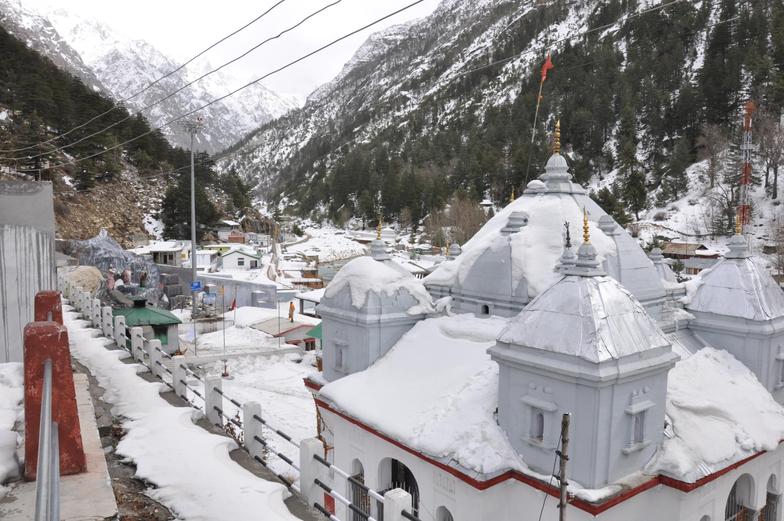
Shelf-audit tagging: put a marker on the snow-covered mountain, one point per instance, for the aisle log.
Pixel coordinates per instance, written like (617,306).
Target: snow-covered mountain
(123,66)
(41,36)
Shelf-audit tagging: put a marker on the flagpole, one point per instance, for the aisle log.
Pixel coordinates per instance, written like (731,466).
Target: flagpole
(547,66)
(223,316)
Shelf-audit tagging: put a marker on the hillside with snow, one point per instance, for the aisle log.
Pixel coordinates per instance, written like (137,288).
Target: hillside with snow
(122,66)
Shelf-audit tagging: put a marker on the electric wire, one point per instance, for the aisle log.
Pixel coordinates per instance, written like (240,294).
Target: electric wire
(183,87)
(154,82)
(252,82)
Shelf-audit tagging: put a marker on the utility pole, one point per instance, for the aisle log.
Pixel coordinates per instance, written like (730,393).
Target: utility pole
(564,457)
(192,127)
(744,209)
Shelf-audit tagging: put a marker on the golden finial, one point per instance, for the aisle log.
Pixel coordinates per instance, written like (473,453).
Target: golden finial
(586,230)
(378,229)
(738,224)
(557,137)
(512,197)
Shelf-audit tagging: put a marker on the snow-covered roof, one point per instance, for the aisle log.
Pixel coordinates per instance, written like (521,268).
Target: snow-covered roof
(593,318)
(364,275)
(535,249)
(719,414)
(311,296)
(738,286)
(449,417)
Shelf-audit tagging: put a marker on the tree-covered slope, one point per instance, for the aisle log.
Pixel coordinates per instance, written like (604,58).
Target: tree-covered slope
(447,103)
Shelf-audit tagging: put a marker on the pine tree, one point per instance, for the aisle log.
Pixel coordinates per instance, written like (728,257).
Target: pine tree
(675,183)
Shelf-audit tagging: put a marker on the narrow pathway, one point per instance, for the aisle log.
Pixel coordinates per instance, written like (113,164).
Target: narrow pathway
(198,476)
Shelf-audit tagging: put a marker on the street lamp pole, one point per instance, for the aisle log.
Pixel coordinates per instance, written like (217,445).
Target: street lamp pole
(192,127)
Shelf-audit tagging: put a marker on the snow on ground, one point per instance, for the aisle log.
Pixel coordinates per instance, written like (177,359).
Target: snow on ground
(715,425)
(276,382)
(153,226)
(329,244)
(190,468)
(11,415)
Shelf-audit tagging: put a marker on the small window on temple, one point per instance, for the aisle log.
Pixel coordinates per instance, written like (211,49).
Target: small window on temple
(639,428)
(537,424)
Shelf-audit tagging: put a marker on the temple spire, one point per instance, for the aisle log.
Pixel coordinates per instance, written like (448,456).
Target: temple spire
(512,197)
(586,229)
(378,228)
(557,138)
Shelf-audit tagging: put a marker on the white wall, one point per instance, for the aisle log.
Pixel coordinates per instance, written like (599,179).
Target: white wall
(512,500)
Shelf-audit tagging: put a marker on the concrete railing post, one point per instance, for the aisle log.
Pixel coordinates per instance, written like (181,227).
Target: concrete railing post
(137,343)
(49,341)
(213,399)
(156,359)
(252,428)
(119,332)
(94,307)
(309,468)
(48,307)
(395,501)
(180,377)
(106,322)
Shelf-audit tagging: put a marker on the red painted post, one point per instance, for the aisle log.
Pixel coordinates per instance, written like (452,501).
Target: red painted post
(49,340)
(48,306)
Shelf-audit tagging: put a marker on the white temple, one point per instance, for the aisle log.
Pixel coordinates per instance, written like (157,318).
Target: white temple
(453,387)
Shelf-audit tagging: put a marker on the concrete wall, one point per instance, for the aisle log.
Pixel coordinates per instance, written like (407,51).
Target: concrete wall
(27,258)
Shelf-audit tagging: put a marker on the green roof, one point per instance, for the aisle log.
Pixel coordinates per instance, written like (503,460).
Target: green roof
(315,332)
(146,316)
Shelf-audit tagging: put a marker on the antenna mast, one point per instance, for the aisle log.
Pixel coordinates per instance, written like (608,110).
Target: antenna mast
(744,209)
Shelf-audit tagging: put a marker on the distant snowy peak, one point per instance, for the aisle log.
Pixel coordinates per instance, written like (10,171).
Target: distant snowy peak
(40,35)
(123,66)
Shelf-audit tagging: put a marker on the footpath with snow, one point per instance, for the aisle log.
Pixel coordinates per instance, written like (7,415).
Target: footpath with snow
(190,468)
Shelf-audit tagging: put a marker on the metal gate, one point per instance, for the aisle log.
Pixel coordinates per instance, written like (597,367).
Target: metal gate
(359,497)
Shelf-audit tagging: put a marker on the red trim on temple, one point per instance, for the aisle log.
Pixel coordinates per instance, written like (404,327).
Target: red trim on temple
(591,508)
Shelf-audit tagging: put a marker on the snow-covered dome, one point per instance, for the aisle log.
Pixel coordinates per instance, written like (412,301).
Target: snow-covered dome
(738,286)
(597,319)
(376,284)
(501,261)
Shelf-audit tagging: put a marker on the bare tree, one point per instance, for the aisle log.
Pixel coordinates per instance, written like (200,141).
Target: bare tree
(778,240)
(712,142)
(771,149)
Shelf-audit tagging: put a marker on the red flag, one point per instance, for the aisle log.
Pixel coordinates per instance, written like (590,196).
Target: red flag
(233,305)
(548,64)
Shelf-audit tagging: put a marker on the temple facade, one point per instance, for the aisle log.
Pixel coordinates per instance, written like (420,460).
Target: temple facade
(455,387)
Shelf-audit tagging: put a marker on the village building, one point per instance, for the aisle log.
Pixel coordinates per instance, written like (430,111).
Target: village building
(224,230)
(156,323)
(240,259)
(453,387)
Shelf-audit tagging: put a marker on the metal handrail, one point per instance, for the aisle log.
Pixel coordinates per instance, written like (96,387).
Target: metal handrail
(47,486)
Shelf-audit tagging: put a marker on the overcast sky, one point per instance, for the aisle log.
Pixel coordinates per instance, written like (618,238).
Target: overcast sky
(182,28)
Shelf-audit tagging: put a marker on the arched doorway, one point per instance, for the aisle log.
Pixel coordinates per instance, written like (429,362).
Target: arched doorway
(771,509)
(739,499)
(443,514)
(394,474)
(357,493)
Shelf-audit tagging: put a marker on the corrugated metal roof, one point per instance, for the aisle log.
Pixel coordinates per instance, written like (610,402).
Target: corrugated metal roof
(147,316)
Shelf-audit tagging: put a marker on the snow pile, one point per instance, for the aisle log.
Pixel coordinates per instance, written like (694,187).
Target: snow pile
(597,320)
(11,412)
(536,248)
(276,383)
(364,275)
(153,226)
(449,417)
(738,288)
(328,245)
(720,414)
(190,467)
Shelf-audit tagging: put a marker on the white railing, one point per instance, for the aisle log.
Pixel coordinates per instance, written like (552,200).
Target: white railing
(248,433)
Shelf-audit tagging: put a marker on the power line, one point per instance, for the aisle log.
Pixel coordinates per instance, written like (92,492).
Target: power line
(183,87)
(154,82)
(275,71)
